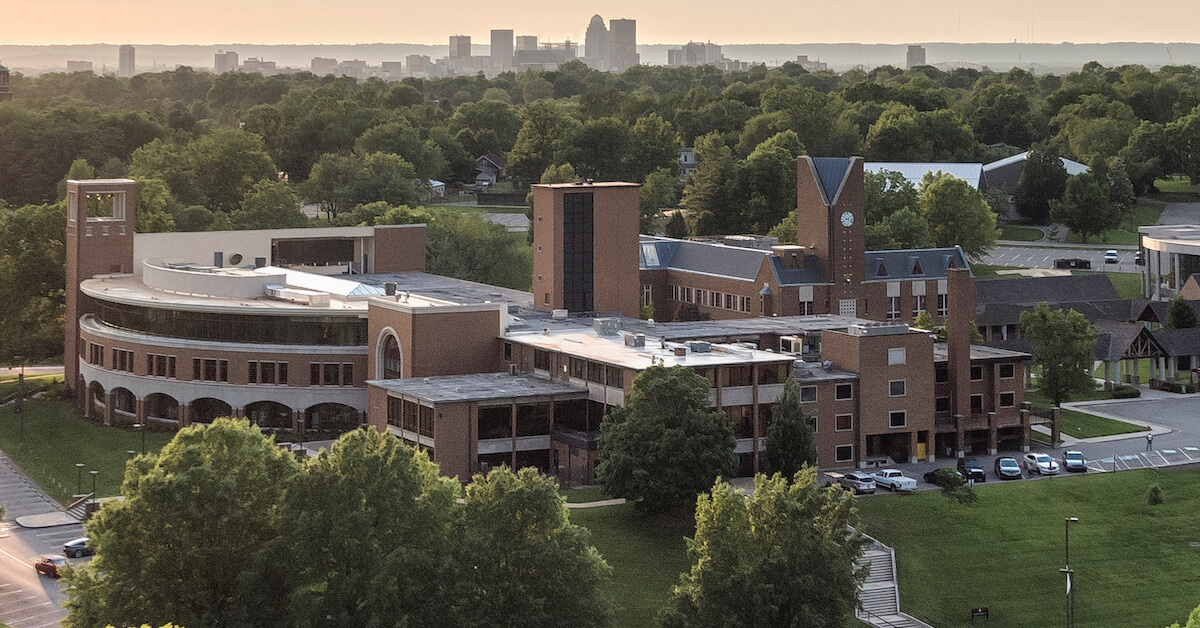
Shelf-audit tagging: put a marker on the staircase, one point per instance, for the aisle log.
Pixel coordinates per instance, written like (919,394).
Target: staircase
(880,594)
(78,508)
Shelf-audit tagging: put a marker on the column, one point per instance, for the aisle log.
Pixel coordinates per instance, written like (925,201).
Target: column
(1025,427)
(912,447)
(297,421)
(184,419)
(109,399)
(1054,433)
(960,440)
(140,411)
(1108,375)
(513,417)
(993,435)
(1176,272)
(754,432)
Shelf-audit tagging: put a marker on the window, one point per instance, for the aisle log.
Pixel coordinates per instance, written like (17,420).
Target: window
(577,368)
(976,404)
(941,373)
(122,360)
(976,373)
(897,356)
(808,394)
(844,392)
(329,374)
(688,296)
(729,300)
(941,306)
(210,370)
(347,374)
(541,360)
(647,295)
(745,304)
(941,404)
(897,418)
(281,369)
(267,372)
(508,352)
(1007,371)
(806,308)
(918,304)
(1008,400)
(893,311)
(96,354)
(896,387)
(614,376)
(844,453)
(252,372)
(160,365)
(843,422)
(595,372)
(813,422)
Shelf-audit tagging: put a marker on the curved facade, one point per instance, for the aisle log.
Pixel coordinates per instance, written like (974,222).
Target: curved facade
(1171,254)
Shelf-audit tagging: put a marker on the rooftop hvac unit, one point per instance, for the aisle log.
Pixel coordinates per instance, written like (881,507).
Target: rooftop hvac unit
(389,288)
(699,346)
(635,340)
(791,344)
(558,315)
(606,326)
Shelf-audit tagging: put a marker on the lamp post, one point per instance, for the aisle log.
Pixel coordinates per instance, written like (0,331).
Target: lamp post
(142,428)
(79,479)
(20,402)
(1068,571)
(94,474)
(131,453)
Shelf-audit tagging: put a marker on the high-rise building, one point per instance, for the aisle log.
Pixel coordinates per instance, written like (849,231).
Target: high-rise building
(460,46)
(595,44)
(79,66)
(5,91)
(225,61)
(417,65)
(393,70)
(322,66)
(622,45)
(914,57)
(127,65)
(527,42)
(502,51)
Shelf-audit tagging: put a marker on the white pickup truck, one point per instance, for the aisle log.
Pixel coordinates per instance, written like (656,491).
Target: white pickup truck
(894,480)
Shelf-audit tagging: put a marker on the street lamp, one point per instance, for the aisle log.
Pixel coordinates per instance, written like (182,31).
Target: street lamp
(18,408)
(131,453)
(142,427)
(1068,571)
(79,480)
(94,474)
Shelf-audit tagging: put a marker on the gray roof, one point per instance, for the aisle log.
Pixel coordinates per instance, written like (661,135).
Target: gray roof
(1179,342)
(479,387)
(1073,167)
(1052,290)
(741,329)
(1122,310)
(702,257)
(1157,311)
(1114,339)
(915,171)
(904,264)
(830,173)
(809,273)
(980,353)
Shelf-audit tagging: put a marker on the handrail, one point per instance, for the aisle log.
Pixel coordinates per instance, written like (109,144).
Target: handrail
(80,500)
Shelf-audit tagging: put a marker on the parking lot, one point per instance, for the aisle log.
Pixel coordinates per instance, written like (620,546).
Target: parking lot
(1038,257)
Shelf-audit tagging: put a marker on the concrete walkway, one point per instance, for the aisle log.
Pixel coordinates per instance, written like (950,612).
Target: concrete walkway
(597,504)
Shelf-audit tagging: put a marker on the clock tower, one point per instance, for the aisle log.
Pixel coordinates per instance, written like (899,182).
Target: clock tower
(829,222)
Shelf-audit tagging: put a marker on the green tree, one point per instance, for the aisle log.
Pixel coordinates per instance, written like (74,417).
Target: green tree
(1095,127)
(523,564)
(784,556)
(154,205)
(545,129)
(658,192)
(193,218)
(270,205)
(1043,179)
(786,229)
(1086,208)
(1180,314)
(211,498)
(766,183)
(1148,156)
(225,164)
(600,150)
(790,444)
(653,146)
(377,519)
(400,138)
(677,226)
(486,126)
(958,214)
(708,196)
(1001,113)
(1062,348)
(32,256)
(885,193)
(468,247)
(80,169)
(905,134)
(666,445)
(1193,620)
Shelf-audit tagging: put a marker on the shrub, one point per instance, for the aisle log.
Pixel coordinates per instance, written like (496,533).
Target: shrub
(1125,392)
(1154,497)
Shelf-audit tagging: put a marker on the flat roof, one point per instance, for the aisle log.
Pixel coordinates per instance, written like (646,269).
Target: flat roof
(593,184)
(611,349)
(478,387)
(744,328)
(980,352)
(1184,239)
(130,290)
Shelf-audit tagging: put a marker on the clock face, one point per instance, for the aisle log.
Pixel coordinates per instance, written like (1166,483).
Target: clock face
(847,219)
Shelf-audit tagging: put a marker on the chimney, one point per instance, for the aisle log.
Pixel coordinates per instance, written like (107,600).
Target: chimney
(960,301)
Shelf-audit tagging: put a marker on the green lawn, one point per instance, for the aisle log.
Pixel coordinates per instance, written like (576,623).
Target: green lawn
(647,558)
(1177,190)
(1020,234)
(1134,564)
(1145,212)
(1082,425)
(584,494)
(56,438)
(1128,285)
(33,383)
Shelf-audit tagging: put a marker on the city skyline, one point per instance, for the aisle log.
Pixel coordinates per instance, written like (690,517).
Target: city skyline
(375,21)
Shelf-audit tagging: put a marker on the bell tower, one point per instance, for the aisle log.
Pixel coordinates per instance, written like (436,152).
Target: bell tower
(101,214)
(830,221)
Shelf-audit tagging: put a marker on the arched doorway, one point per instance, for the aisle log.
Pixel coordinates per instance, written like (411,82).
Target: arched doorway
(206,409)
(95,400)
(270,416)
(388,357)
(124,402)
(330,419)
(161,407)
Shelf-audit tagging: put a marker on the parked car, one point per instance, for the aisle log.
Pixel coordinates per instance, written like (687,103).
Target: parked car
(78,548)
(894,480)
(971,469)
(1074,461)
(945,476)
(858,482)
(1074,262)
(1139,259)
(1040,463)
(1111,257)
(49,565)
(1008,469)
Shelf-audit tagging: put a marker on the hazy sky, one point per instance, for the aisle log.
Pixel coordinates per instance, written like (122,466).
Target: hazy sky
(722,21)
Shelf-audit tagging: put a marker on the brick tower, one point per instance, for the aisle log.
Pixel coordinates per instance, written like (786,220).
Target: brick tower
(830,222)
(101,214)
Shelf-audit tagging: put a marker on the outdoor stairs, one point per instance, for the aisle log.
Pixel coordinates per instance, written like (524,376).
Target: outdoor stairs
(78,508)
(880,594)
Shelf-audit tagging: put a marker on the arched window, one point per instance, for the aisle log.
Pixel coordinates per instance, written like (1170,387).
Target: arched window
(391,358)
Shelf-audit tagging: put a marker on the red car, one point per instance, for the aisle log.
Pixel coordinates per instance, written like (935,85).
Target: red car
(49,565)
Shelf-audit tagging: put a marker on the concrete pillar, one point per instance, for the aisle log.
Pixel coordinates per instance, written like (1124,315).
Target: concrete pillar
(993,435)
(1025,427)
(140,411)
(754,431)
(1108,383)
(513,416)
(1054,428)
(960,440)
(109,400)
(912,447)
(1175,271)
(184,419)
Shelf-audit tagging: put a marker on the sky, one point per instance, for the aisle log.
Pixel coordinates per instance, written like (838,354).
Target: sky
(660,21)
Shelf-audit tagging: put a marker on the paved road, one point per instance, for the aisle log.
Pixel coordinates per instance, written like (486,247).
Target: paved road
(1180,214)
(28,600)
(1037,257)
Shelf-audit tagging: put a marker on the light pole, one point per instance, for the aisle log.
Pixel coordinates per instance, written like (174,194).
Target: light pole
(20,402)
(142,427)
(94,474)
(79,480)
(1068,571)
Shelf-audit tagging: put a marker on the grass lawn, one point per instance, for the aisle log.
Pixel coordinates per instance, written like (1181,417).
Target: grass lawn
(1083,425)
(584,494)
(1020,234)
(1133,562)
(1145,212)
(56,438)
(33,383)
(1177,190)
(647,558)
(1128,285)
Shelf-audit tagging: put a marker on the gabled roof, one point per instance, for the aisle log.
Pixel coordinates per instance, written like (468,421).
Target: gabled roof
(1073,167)
(915,171)
(702,257)
(912,264)
(1156,311)
(1122,310)
(495,160)
(1179,342)
(831,171)
(809,273)
(1034,290)
(1114,339)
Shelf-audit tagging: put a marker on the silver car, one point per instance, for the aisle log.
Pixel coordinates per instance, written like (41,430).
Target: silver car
(858,482)
(1040,464)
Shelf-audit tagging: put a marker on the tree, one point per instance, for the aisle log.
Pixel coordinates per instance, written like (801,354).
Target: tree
(1148,156)
(545,128)
(784,556)
(1193,620)
(666,445)
(1043,179)
(32,256)
(471,248)
(523,564)
(653,146)
(786,230)
(708,197)
(154,204)
(600,150)
(905,229)
(905,134)
(1086,208)
(400,138)
(340,182)
(1062,347)
(766,183)
(270,205)
(203,511)
(790,444)
(1180,314)
(677,226)
(658,192)
(225,164)
(377,519)
(486,126)
(958,214)
(885,193)
(1001,113)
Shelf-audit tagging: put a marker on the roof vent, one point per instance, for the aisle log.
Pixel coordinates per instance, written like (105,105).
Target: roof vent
(558,315)
(699,346)
(881,269)
(606,326)
(635,340)
(389,288)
